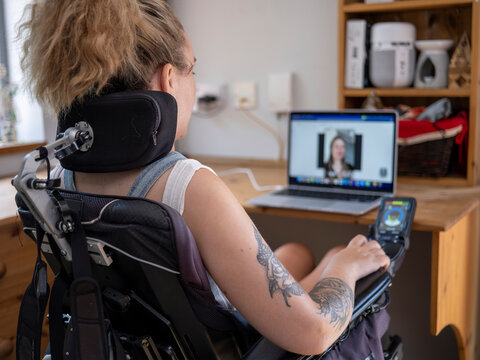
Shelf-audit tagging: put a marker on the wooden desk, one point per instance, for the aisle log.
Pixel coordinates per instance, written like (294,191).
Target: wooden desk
(449,214)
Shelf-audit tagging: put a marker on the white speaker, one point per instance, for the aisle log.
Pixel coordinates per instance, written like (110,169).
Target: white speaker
(392,54)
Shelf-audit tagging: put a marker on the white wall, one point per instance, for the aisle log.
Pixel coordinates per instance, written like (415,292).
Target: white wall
(29,113)
(236,41)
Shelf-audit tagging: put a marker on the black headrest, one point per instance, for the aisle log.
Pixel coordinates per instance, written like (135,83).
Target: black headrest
(131,129)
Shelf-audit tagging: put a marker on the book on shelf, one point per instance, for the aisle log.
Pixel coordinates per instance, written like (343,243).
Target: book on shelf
(355,53)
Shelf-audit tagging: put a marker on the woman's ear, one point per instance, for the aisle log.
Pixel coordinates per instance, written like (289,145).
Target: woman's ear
(163,79)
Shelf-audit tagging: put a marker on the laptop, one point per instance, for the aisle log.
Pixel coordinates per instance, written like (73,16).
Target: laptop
(338,161)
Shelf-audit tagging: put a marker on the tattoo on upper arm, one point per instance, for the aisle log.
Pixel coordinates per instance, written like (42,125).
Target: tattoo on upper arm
(279,279)
(334,297)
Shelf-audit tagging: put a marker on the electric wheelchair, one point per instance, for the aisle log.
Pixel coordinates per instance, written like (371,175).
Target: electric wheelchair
(129,280)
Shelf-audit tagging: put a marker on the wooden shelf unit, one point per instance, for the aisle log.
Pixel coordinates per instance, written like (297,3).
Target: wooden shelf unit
(433,19)
(408,92)
(352,7)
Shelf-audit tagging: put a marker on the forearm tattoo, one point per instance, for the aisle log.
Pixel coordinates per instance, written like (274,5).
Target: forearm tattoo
(335,298)
(278,277)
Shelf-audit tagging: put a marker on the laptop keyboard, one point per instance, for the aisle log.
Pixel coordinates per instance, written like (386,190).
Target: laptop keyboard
(328,195)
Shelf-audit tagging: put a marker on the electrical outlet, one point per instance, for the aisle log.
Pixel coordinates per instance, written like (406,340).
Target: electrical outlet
(209,97)
(280,92)
(245,95)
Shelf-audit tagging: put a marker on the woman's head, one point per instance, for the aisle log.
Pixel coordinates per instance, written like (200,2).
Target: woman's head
(179,83)
(78,48)
(337,149)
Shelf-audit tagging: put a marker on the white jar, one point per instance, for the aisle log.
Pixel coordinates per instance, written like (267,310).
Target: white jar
(392,54)
(432,64)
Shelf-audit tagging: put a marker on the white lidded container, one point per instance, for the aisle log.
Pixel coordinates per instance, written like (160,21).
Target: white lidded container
(392,54)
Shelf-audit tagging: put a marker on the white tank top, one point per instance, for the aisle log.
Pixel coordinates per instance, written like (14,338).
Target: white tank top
(177,182)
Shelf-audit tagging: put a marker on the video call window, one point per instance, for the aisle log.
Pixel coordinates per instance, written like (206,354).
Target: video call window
(339,152)
(348,150)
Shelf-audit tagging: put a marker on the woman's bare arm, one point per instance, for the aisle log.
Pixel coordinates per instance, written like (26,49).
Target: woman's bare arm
(259,286)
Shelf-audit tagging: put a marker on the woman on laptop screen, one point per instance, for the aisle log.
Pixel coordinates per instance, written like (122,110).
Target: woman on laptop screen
(337,167)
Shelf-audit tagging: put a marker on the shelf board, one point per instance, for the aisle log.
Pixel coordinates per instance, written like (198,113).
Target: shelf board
(404,5)
(407,92)
(443,181)
(18,147)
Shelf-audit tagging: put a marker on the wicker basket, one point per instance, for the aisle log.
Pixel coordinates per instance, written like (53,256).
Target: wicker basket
(430,158)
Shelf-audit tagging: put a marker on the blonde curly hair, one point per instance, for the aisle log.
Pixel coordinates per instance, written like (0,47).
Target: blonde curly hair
(77,48)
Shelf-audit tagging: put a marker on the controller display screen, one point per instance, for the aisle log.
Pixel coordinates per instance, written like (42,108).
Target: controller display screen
(394,215)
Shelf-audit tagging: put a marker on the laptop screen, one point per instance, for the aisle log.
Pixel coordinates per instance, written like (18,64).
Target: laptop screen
(347,150)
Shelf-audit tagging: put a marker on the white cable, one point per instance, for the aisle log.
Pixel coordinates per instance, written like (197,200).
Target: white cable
(267,127)
(133,256)
(91,222)
(251,177)
(123,252)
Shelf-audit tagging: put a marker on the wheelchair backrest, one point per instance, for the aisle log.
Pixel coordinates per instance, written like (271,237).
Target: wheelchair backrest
(148,267)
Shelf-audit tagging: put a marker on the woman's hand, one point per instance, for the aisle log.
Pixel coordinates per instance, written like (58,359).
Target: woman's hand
(360,258)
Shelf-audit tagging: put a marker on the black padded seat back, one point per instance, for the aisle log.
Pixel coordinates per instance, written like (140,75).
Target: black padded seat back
(152,232)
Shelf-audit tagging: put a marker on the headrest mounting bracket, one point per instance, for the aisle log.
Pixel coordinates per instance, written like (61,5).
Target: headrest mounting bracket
(85,127)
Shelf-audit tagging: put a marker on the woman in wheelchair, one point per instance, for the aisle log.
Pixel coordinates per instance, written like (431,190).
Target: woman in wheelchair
(79,49)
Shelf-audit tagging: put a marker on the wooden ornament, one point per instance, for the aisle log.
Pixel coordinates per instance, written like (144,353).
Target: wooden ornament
(460,65)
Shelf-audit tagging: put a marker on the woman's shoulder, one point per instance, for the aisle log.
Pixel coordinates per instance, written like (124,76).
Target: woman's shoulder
(206,186)
(185,175)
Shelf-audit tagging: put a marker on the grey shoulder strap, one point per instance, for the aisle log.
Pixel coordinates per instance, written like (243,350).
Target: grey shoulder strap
(145,179)
(68,182)
(152,172)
